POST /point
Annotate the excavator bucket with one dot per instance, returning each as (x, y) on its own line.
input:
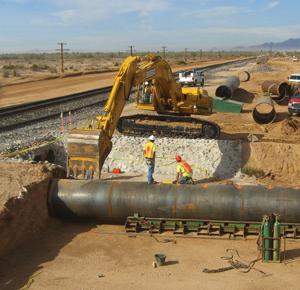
(87, 150)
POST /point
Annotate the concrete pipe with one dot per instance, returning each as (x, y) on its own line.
(264, 111)
(227, 89)
(279, 90)
(113, 202)
(244, 76)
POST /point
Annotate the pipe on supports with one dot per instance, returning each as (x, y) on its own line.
(113, 202)
(227, 89)
(279, 90)
(264, 111)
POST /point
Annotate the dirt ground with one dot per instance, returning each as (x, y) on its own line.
(39, 252)
(72, 255)
(86, 256)
(50, 88)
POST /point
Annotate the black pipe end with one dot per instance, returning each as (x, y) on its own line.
(223, 92)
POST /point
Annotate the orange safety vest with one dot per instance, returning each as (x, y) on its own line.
(186, 167)
(149, 150)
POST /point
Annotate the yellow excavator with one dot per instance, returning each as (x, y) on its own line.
(89, 147)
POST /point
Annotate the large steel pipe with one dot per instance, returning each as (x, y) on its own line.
(264, 111)
(278, 90)
(227, 89)
(112, 202)
(244, 76)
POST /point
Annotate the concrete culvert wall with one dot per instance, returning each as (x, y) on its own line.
(208, 158)
(53, 153)
(227, 89)
(264, 111)
(23, 201)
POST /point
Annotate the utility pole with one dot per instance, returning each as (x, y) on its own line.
(62, 55)
(185, 55)
(200, 53)
(164, 51)
(131, 49)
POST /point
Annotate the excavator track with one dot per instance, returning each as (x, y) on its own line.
(168, 126)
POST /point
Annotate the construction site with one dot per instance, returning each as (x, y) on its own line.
(77, 212)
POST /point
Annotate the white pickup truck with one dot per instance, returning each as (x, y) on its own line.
(191, 78)
(294, 78)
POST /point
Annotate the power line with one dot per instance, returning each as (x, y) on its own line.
(164, 51)
(62, 49)
(185, 55)
(131, 49)
(200, 53)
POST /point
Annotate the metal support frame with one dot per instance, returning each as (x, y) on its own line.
(212, 228)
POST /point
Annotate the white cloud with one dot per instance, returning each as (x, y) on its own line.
(217, 11)
(83, 11)
(271, 5)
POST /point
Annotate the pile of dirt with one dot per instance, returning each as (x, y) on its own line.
(279, 160)
(287, 127)
(23, 201)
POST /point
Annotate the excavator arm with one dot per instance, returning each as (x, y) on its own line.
(89, 147)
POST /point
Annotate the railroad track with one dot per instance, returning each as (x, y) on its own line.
(19, 115)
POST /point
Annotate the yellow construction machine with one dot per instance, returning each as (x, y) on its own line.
(88, 147)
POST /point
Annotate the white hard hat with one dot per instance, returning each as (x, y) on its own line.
(151, 138)
(146, 83)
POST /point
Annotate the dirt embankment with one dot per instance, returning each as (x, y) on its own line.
(23, 201)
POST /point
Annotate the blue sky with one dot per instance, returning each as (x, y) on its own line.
(112, 25)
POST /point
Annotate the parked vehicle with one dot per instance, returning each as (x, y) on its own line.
(294, 104)
(191, 78)
(295, 58)
(294, 78)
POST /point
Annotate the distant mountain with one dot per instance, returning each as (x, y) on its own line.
(290, 44)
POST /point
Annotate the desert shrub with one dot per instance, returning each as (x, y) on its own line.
(38, 67)
(5, 73)
(53, 70)
(9, 67)
(34, 67)
(253, 171)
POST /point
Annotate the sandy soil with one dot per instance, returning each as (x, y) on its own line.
(86, 256)
(51, 254)
(23, 201)
(46, 89)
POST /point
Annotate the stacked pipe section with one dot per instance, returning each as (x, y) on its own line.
(113, 202)
(279, 91)
(227, 89)
(264, 111)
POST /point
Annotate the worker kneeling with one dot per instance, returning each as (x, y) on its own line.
(184, 172)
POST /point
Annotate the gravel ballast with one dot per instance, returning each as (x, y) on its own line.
(208, 158)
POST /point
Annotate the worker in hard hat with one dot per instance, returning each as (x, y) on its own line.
(149, 153)
(184, 172)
